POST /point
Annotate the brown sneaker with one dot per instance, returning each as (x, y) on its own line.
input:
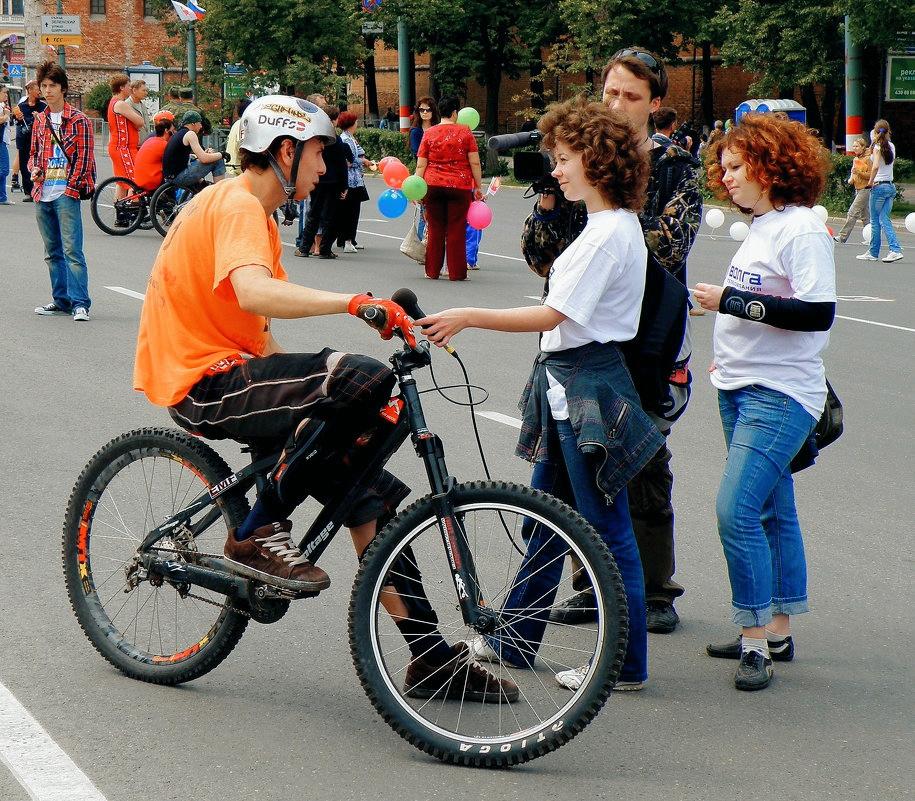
(460, 678)
(270, 555)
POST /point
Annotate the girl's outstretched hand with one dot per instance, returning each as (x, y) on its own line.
(441, 327)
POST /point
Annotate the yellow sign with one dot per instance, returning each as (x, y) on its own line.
(61, 39)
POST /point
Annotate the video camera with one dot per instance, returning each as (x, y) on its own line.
(531, 167)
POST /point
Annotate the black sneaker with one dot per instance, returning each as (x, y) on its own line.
(782, 651)
(461, 678)
(580, 608)
(51, 308)
(662, 617)
(754, 671)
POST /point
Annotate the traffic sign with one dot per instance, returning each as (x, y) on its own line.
(16, 71)
(60, 24)
(61, 39)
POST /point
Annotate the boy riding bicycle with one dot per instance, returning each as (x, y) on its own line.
(205, 351)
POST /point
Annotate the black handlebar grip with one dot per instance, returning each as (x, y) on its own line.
(406, 299)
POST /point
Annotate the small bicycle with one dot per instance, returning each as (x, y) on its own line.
(143, 565)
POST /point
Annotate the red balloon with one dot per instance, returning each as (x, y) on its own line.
(395, 173)
(385, 161)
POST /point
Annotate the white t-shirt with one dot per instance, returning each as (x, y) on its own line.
(55, 171)
(884, 170)
(788, 254)
(597, 282)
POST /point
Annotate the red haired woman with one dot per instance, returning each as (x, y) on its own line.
(775, 310)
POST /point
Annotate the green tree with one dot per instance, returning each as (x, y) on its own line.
(475, 38)
(293, 44)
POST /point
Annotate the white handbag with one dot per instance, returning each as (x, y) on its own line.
(412, 245)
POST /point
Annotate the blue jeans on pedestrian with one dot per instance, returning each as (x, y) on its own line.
(757, 517)
(60, 224)
(572, 480)
(196, 171)
(4, 167)
(881, 204)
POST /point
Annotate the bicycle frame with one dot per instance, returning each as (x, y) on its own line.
(410, 421)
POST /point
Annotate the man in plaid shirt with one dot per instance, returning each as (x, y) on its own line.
(62, 167)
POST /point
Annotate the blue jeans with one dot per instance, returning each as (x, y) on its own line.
(196, 171)
(572, 480)
(757, 517)
(881, 204)
(4, 167)
(60, 224)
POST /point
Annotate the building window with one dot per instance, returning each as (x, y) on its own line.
(18, 10)
(96, 6)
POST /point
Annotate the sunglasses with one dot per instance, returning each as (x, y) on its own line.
(425, 111)
(646, 58)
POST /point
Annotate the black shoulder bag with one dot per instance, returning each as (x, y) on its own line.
(828, 429)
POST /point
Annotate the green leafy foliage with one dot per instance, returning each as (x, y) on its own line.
(98, 97)
(378, 143)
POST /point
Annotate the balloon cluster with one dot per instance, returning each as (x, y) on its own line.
(403, 187)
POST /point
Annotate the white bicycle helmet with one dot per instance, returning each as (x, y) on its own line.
(280, 115)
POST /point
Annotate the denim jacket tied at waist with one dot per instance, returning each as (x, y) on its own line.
(612, 430)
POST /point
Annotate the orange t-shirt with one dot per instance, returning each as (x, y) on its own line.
(147, 164)
(191, 318)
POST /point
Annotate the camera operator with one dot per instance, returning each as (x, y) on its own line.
(635, 83)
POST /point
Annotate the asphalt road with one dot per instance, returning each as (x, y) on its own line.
(285, 718)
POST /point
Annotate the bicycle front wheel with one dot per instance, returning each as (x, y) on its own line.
(148, 628)
(519, 539)
(118, 206)
(167, 201)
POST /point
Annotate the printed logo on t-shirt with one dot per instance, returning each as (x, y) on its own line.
(56, 170)
(745, 278)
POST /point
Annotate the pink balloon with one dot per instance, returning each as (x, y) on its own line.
(395, 173)
(385, 161)
(479, 215)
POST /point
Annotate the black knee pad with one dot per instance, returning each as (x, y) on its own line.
(313, 456)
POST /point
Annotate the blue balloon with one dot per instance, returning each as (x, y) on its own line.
(392, 203)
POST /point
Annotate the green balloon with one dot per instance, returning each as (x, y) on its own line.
(414, 188)
(469, 116)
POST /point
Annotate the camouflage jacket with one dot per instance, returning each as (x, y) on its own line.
(669, 220)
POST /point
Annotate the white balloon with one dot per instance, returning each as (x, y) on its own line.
(739, 231)
(714, 218)
(866, 234)
(910, 222)
(820, 212)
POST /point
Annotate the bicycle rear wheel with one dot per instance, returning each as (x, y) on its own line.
(119, 206)
(167, 201)
(145, 627)
(546, 715)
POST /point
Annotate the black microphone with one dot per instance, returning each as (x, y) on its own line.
(406, 299)
(509, 141)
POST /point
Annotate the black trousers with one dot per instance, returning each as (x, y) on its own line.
(348, 218)
(652, 513)
(24, 168)
(322, 213)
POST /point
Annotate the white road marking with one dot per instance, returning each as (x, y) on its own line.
(37, 762)
(865, 299)
(514, 422)
(129, 292)
(874, 322)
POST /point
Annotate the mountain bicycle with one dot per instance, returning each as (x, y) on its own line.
(120, 206)
(145, 574)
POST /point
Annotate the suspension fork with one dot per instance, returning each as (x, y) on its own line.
(430, 449)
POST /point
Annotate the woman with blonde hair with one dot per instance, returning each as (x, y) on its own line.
(883, 191)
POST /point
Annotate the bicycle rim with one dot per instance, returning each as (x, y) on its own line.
(167, 204)
(546, 714)
(129, 495)
(119, 206)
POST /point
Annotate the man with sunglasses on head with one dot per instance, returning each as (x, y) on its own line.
(635, 83)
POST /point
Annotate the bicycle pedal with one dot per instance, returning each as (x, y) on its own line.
(267, 592)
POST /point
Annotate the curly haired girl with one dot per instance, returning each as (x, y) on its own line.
(583, 424)
(775, 311)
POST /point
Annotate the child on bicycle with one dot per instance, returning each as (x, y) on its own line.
(583, 427)
(206, 352)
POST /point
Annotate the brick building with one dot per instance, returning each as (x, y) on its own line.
(115, 34)
(730, 85)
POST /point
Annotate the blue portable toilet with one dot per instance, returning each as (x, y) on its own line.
(792, 108)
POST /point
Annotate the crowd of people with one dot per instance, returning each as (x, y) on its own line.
(612, 244)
